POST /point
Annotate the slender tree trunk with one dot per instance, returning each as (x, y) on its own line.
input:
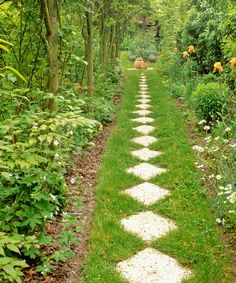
(51, 19)
(89, 56)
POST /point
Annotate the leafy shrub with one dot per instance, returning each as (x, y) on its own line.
(33, 150)
(103, 110)
(132, 57)
(210, 101)
(152, 58)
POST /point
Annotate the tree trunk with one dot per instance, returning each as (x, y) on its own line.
(51, 19)
(89, 56)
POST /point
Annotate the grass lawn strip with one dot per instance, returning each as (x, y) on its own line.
(195, 243)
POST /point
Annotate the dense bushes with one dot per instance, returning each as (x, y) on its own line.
(210, 102)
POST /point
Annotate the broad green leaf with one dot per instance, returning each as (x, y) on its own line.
(6, 42)
(15, 72)
(13, 248)
(3, 47)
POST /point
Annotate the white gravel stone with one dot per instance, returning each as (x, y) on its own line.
(143, 96)
(151, 266)
(143, 92)
(148, 226)
(143, 106)
(146, 171)
(147, 193)
(144, 100)
(143, 120)
(143, 88)
(145, 153)
(142, 112)
(144, 129)
(145, 140)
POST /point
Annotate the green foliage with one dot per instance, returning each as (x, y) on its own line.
(210, 101)
(11, 246)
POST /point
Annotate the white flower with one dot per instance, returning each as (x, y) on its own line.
(198, 148)
(56, 142)
(232, 198)
(57, 155)
(207, 128)
(53, 197)
(218, 177)
(228, 129)
(44, 177)
(226, 141)
(217, 138)
(211, 176)
(72, 181)
(229, 187)
(200, 166)
(214, 148)
(218, 220)
(202, 122)
(231, 211)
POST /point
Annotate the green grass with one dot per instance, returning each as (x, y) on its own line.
(195, 244)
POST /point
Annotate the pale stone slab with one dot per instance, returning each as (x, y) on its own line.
(144, 100)
(143, 92)
(148, 226)
(143, 88)
(143, 120)
(144, 96)
(145, 129)
(143, 106)
(147, 193)
(145, 140)
(143, 85)
(151, 266)
(142, 112)
(145, 171)
(145, 154)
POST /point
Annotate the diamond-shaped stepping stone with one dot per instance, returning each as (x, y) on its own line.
(143, 85)
(145, 140)
(143, 106)
(146, 171)
(151, 266)
(143, 92)
(145, 154)
(144, 96)
(143, 88)
(144, 100)
(142, 112)
(145, 129)
(148, 226)
(147, 193)
(143, 120)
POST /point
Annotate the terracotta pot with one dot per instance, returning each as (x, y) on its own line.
(138, 63)
(144, 66)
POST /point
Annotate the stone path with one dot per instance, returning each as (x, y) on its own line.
(149, 265)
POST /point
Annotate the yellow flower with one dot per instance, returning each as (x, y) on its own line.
(185, 54)
(233, 62)
(191, 49)
(218, 67)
